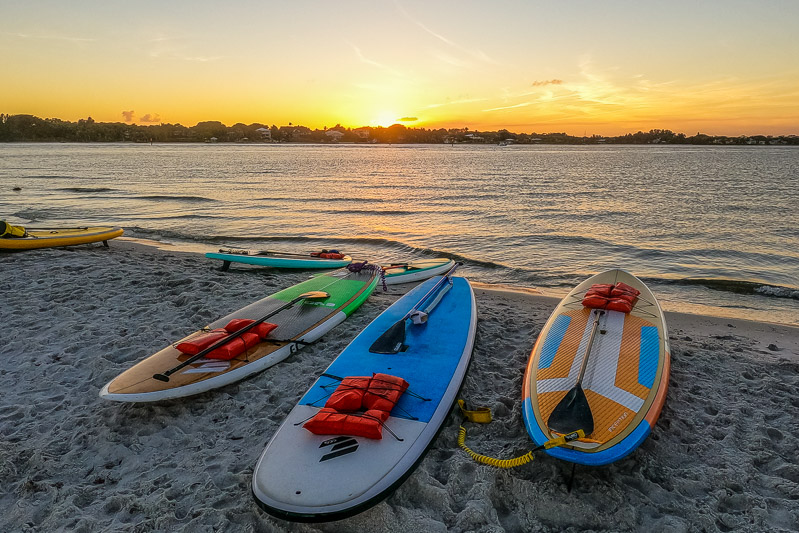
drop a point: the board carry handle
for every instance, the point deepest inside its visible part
(392, 340)
(312, 295)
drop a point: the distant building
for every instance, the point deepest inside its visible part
(334, 135)
(265, 133)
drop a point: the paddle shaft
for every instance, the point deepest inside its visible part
(444, 279)
(222, 342)
(588, 349)
(393, 339)
(266, 252)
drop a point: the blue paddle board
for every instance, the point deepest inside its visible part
(302, 476)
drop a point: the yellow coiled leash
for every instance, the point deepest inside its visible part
(482, 415)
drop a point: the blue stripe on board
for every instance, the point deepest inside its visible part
(428, 365)
(553, 340)
(648, 361)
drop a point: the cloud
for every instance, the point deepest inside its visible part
(523, 104)
(363, 59)
(65, 38)
(546, 82)
(128, 115)
(150, 118)
(474, 53)
(408, 119)
(457, 102)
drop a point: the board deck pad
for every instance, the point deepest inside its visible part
(626, 376)
(303, 322)
(306, 477)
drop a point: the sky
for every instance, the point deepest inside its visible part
(719, 67)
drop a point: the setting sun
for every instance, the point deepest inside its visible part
(385, 119)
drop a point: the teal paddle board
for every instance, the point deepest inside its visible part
(278, 259)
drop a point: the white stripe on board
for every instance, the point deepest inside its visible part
(600, 374)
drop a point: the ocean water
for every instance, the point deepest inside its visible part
(711, 230)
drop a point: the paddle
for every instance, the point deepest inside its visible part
(392, 340)
(573, 412)
(312, 295)
(408, 266)
(263, 252)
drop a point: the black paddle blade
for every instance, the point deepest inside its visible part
(572, 413)
(161, 377)
(391, 341)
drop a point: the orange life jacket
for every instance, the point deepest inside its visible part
(231, 349)
(620, 297)
(358, 406)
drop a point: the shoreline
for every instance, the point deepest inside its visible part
(721, 457)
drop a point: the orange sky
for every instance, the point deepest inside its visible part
(716, 67)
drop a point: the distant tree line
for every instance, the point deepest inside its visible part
(29, 128)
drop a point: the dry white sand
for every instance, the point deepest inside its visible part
(722, 457)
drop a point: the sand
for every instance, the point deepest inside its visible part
(722, 457)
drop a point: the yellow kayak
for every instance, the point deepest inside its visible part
(50, 238)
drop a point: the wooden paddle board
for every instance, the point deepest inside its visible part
(55, 237)
(418, 270)
(301, 323)
(302, 476)
(276, 259)
(625, 379)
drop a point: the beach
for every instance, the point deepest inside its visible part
(722, 456)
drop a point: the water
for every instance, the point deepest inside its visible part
(710, 229)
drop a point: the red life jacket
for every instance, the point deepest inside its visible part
(620, 297)
(358, 406)
(235, 347)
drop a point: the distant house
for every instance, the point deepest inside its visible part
(363, 133)
(265, 133)
(334, 135)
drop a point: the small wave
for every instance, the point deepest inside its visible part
(741, 287)
(357, 200)
(349, 244)
(86, 189)
(169, 197)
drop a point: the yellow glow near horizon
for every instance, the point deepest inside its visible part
(385, 119)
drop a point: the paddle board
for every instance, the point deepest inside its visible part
(56, 237)
(625, 379)
(276, 259)
(297, 325)
(418, 270)
(302, 476)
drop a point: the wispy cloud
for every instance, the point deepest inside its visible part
(365, 60)
(150, 118)
(174, 48)
(456, 102)
(546, 82)
(408, 119)
(128, 115)
(473, 53)
(523, 104)
(65, 38)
